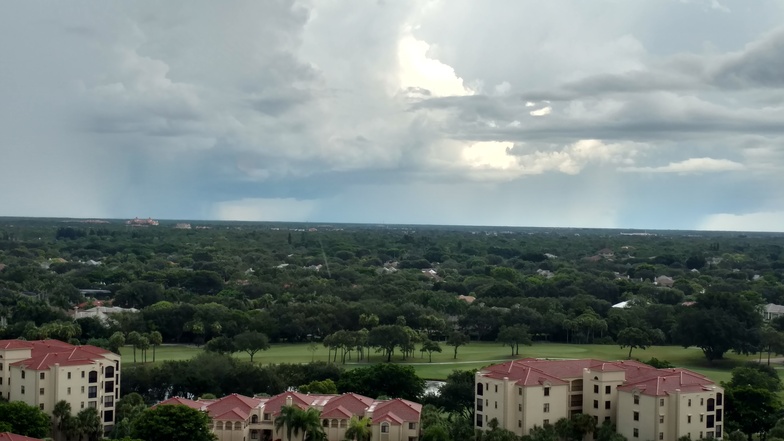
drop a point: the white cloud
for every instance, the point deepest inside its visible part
(541, 112)
(505, 160)
(690, 166)
(770, 221)
(260, 209)
(419, 71)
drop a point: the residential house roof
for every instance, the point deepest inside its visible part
(773, 308)
(179, 401)
(668, 381)
(232, 407)
(15, 344)
(47, 353)
(397, 410)
(273, 405)
(353, 403)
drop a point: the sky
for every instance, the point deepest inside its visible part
(648, 114)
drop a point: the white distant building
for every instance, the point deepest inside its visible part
(102, 313)
(772, 311)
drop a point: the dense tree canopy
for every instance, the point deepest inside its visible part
(173, 423)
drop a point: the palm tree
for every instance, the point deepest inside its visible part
(61, 413)
(155, 340)
(310, 423)
(90, 424)
(296, 420)
(359, 429)
(288, 417)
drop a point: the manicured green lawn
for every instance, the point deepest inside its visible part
(475, 355)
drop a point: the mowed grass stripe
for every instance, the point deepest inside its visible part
(472, 356)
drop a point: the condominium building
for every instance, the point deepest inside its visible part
(644, 402)
(240, 418)
(44, 372)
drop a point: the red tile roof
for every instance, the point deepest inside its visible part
(667, 381)
(398, 410)
(638, 376)
(75, 356)
(521, 374)
(273, 405)
(7, 436)
(15, 344)
(232, 407)
(356, 404)
(175, 401)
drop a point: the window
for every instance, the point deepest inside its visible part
(82, 404)
(711, 404)
(108, 401)
(702, 418)
(108, 416)
(700, 434)
(689, 402)
(546, 408)
(69, 391)
(41, 391)
(324, 423)
(480, 389)
(479, 405)
(41, 406)
(41, 376)
(661, 419)
(93, 377)
(545, 422)
(636, 432)
(636, 399)
(109, 372)
(266, 417)
(23, 375)
(519, 423)
(718, 399)
(661, 401)
(718, 415)
(709, 423)
(344, 423)
(1, 366)
(702, 401)
(636, 416)
(496, 388)
(384, 427)
(519, 391)
(92, 404)
(82, 389)
(596, 388)
(69, 375)
(108, 387)
(607, 389)
(607, 418)
(23, 390)
(496, 404)
(411, 426)
(333, 423)
(661, 435)
(595, 404)
(688, 419)
(547, 391)
(478, 420)
(519, 407)
(82, 374)
(255, 419)
(254, 434)
(606, 404)
(92, 392)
